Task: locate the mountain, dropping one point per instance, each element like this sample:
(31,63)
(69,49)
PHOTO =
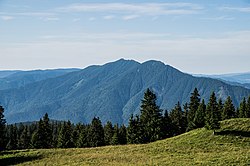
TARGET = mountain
(6,73)
(16,79)
(242,78)
(112,91)
(239,79)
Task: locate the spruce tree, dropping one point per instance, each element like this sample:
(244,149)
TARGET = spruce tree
(24,140)
(167,125)
(55,132)
(83,138)
(212,117)
(193,107)
(2,129)
(108,133)
(237,113)
(248,108)
(96,137)
(134,130)
(64,137)
(177,119)
(228,111)
(37,139)
(76,134)
(115,137)
(47,129)
(151,119)
(243,108)
(12,137)
(200,114)
(42,137)
(220,109)
(123,135)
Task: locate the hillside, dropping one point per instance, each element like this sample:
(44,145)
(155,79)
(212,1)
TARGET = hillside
(17,79)
(112,92)
(238,79)
(230,146)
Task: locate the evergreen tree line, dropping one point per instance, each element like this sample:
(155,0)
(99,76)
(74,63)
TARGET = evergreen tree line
(152,124)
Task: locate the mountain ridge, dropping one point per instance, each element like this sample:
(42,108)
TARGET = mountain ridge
(112,91)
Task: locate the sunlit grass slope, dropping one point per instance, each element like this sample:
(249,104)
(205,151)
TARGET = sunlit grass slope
(228,146)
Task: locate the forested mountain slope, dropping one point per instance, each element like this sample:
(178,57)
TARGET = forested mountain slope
(112,91)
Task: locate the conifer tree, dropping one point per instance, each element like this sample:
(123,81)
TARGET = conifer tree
(193,107)
(200,114)
(12,136)
(24,140)
(151,119)
(76,134)
(243,108)
(115,137)
(212,117)
(37,139)
(47,132)
(167,125)
(237,112)
(134,133)
(42,137)
(83,138)
(220,109)
(248,108)
(228,111)
(96,137)
(177,116)
(55,132)
(2,129)
(123,135)
(108,133)
(64,137)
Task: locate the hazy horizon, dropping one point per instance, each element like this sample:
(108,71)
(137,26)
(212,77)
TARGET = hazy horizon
(197,37)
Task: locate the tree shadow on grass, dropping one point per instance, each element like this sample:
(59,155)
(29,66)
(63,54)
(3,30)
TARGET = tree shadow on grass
(17,160)
(233,133)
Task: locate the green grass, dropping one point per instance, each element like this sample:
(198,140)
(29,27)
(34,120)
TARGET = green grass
(228,146)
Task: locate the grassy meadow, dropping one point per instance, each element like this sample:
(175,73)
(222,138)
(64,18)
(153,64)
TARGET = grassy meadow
(228,146)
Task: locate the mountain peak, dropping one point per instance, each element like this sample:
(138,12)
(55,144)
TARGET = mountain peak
(112,92)
(154,62)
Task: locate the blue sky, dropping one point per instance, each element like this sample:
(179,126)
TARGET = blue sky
(208,37)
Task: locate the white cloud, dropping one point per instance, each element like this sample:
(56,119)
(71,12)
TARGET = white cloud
(76,19)
(108,17)
(238,9)
(100,37)
(219,18)
(92,19)
(135,8)
(51,19)
(130,17)
(7,18)
(34,14)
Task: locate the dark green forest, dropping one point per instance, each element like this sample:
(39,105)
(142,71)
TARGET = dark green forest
(150,125)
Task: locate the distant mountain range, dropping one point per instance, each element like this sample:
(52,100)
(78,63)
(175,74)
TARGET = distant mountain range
(239,79)
(17,78)
(112,91)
